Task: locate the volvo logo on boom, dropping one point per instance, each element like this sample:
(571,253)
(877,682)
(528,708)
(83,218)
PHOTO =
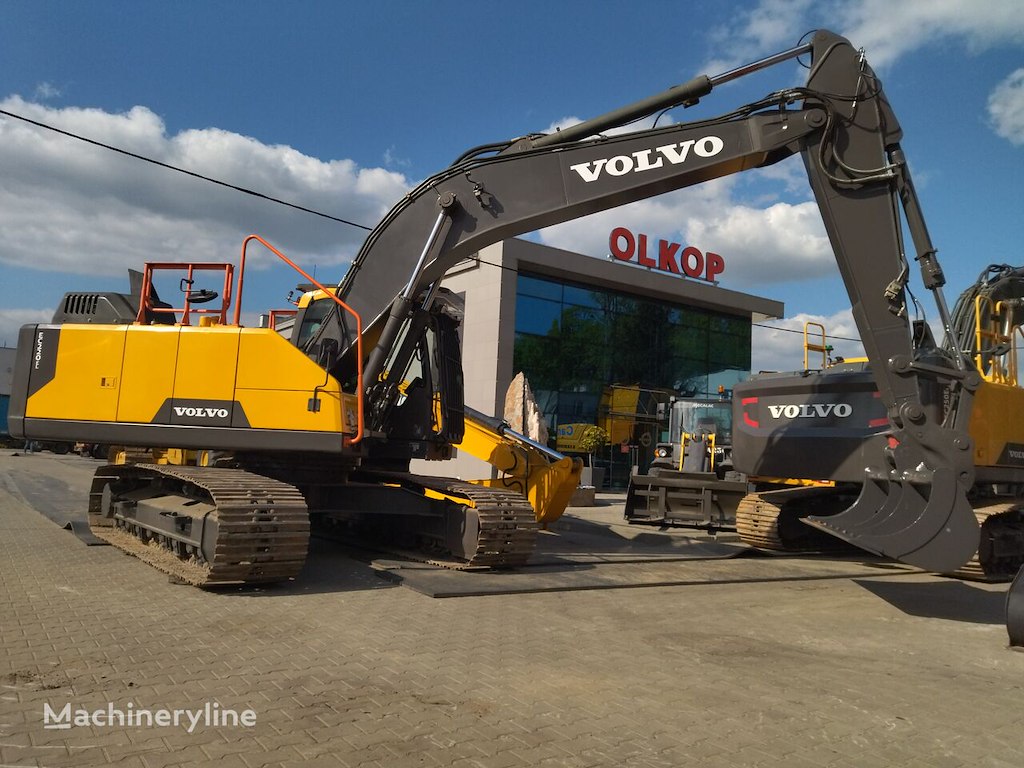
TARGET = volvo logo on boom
(811,410)
(648,159)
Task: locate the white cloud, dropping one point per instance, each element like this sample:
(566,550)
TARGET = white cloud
(886,30)
(69,206)
(46,91)
(770,26)
(665,216)
(1006,108)
(779,244)
(778,344)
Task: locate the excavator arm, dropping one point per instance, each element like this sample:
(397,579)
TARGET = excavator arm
(547,478)
(914,505)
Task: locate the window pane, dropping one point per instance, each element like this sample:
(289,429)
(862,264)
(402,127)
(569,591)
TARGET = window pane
(537,316)
(584,297)
(539,288)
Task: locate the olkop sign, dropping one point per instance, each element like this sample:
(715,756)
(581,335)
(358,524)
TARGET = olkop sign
(665,256)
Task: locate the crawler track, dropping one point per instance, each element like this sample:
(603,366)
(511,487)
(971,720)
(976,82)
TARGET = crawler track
(505,522)
(770,521)
(245,528)
(1001,549)
(508,524)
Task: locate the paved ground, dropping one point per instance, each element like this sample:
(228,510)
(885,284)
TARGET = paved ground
(728,667)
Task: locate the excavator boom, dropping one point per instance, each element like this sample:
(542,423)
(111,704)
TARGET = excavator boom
(914,506)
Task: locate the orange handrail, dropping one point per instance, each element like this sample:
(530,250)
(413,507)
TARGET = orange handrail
(278,313)
(339,302)
(145,302)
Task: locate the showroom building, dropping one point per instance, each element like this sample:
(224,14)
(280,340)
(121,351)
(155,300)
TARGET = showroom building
(602,341)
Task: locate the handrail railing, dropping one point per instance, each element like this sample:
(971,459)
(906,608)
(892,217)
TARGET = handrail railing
(146,300)
(810,346)
(995,340)
(276,314)
(339,302)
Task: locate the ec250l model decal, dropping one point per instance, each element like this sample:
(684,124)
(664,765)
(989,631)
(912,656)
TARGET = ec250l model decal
(642,160)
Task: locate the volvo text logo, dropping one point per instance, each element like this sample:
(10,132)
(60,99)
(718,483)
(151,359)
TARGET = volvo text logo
(202,413)
(38,357)
(641,160)
(811,410)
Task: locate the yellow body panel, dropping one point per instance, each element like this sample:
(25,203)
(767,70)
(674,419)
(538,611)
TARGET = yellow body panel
(206,363)
(138,374)
(997,418)
(87,377)
(147,379)
(266,358)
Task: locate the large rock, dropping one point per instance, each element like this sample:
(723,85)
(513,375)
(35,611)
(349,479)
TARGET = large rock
(522,413)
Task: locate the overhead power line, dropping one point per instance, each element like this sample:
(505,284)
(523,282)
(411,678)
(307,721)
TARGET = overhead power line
(185,171)
(794,330)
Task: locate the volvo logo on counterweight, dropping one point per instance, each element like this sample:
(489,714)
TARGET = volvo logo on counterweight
(210,413)
(201,413)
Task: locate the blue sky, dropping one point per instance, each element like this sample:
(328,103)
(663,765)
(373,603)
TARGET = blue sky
(343,107)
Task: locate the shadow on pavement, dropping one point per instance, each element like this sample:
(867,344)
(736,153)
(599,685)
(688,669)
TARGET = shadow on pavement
(327,570)
(952,600)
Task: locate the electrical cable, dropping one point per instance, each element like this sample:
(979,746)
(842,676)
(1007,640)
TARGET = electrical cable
(185,171)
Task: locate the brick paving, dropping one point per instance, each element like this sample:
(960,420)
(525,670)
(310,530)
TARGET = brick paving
(343,668)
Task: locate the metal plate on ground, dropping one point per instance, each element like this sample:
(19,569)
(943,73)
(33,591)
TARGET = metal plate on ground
(586,555)
(440,582)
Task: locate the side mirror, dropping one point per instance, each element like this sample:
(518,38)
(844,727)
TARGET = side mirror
(327,355)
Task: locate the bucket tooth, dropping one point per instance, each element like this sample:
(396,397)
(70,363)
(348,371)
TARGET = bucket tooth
(938,532)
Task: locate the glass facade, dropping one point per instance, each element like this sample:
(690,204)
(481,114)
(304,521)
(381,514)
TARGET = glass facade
(595,356)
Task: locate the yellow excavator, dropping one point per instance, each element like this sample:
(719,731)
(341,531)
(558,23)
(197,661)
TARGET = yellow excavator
(323,425)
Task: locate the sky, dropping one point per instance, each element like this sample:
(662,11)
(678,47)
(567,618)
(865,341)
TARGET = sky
(344,107)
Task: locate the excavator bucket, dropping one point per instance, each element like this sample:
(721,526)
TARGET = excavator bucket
(930,526)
